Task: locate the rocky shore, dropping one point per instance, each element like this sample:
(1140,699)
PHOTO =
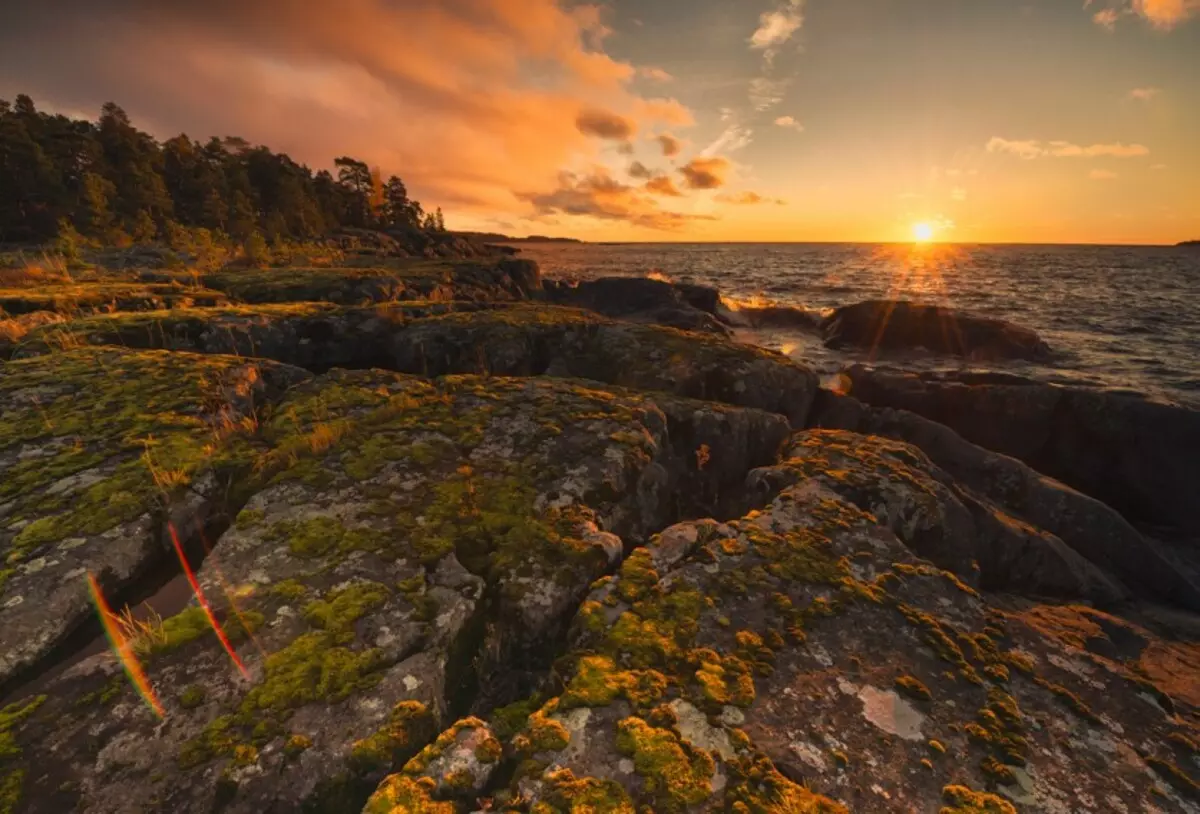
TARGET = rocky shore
(465,539)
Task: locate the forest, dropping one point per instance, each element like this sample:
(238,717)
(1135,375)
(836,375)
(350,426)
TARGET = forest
(112,184)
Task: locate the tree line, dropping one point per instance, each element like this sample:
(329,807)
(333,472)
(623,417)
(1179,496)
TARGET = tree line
(115,185)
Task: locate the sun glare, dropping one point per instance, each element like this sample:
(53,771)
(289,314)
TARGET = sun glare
(922,232)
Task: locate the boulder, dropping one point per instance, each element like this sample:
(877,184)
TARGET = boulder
(773,317)
(1091,528)
(901,325)
(409,552)
(105,454)
(641,299)
(1132,453)
(801,659)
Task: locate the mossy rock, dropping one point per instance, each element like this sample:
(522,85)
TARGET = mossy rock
(77,298)
(725,661)
(380,508)
(102,452)
(402,280)
(492,338)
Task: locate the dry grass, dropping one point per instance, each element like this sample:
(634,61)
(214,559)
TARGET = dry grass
(14,329)
(142,635)
(35,271)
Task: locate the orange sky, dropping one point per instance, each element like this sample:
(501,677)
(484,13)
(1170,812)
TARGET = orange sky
(806,120)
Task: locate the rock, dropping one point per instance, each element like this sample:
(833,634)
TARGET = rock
(409,552)
(901,325)
(105,297)
(445,338)
(102,452)
(458,764)
(937,518)
(1131,453)
(1091,528)
(779,317)
(833,672)
(685,306)
(503,279)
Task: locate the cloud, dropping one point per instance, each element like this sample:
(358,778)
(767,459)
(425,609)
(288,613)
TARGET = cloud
(790,123)
(487,100)
(605,124)
(748,199)
(1031,149)
(1102,175)
(733,138)
(639,170)
(671,146)
(598,195)
(1144,94)
(776,27)
(958,194)
(705,173)
(1162,14)
(655,74)
(765,93)
(662,185)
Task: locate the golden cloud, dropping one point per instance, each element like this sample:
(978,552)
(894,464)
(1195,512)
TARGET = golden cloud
(705,173)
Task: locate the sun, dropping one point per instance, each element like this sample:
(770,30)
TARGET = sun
(922,232)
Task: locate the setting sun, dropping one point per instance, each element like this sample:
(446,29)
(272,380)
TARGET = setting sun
(922,232)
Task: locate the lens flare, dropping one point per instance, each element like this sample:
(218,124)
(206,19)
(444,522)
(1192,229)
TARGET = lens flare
(203,602)
(122,648)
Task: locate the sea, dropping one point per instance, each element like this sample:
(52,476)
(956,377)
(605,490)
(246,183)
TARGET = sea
(1116,317)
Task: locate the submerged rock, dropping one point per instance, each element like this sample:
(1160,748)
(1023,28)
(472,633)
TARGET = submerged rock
(801,659)
(901,325)
(411,551)
(103,452)
(1136,455)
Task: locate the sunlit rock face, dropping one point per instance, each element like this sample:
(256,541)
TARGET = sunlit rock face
(489,553)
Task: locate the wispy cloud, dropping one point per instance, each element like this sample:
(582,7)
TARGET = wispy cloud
(790,123)
(748,199)
(1106,19)
(1102,175)
(705,173)
(655,74)
(1030,149)
(1145,94)
(765,93)
(733,138)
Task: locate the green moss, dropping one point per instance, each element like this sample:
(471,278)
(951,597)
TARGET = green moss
(10,716)
(297,745)
(913,688)
(670,768)
(410,725)
(757,787)
(488,746)
(401,794)
(564,793)
(289,590)
(193,623)
(319,536)
(509,720)
(937,746)
(312,669)
(11,785)
(542,733)
(1070,700)
(248,517)
(962,800)
(597,682)
(339,610)
(192,696)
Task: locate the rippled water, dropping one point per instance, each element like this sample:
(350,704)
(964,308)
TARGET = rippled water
(1119,317)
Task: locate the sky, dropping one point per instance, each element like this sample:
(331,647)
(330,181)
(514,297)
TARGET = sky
(1048,121)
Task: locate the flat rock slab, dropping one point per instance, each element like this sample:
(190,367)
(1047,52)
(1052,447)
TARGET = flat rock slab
(503,279)
(106,296)
(411,548)
(435,339)
(101,448)
(802,659)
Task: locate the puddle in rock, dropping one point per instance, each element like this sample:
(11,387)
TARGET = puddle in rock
(89,640)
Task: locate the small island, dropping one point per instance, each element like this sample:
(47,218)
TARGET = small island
(1188,244)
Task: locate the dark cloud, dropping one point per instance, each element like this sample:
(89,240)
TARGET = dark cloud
(605,124)
(670,145)
(639,170)
(705,173)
